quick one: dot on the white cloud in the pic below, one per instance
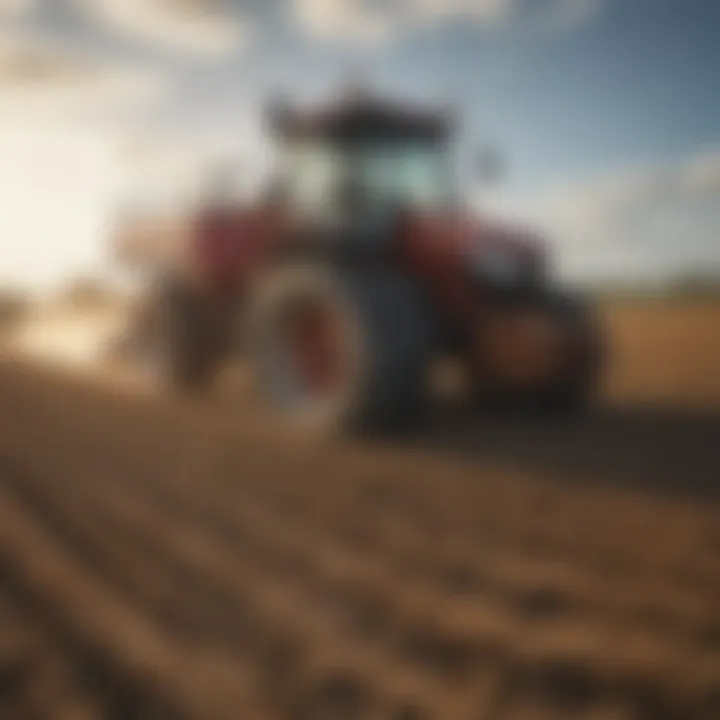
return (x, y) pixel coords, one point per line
(480, 11)
(43, 80)
(56, 186)
(371, 20)
(162, 171)
(365, 20)
(12, 8)
(342, 20)
(61, 115)
(647, 220)
(702, 174)
(198, 27)
(560, 15)
(610, 200)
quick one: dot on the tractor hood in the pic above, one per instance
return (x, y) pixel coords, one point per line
(479, 244)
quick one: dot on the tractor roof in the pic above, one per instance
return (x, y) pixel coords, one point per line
(360, 116)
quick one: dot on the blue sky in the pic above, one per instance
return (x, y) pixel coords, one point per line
(608, 111)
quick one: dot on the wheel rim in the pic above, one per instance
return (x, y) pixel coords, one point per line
(310, 357)
(313, 346)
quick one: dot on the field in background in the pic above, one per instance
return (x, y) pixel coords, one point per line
(662, 349)
(665, 351)
(166, 560)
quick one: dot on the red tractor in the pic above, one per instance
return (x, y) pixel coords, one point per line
(356, 271)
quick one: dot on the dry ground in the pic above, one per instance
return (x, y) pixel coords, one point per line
(159, 560)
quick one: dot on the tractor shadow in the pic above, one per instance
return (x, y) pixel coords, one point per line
(660, 448)
(656, 447)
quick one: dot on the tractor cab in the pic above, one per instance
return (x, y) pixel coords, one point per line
(361, 160)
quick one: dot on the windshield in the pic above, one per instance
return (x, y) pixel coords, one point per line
(315, 173)
(411, 173)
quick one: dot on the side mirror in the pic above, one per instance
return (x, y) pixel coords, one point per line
(489, 166)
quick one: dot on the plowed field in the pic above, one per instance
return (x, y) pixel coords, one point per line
(161, 559)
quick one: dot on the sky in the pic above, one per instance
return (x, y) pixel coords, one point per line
(607, 114)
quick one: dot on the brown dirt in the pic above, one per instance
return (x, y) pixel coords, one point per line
(163, 560)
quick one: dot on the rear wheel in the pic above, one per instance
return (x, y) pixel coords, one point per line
(339, 347)
(177, 348)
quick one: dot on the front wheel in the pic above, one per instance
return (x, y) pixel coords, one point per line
(337, 347)
(546, 355)
(577, 382)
